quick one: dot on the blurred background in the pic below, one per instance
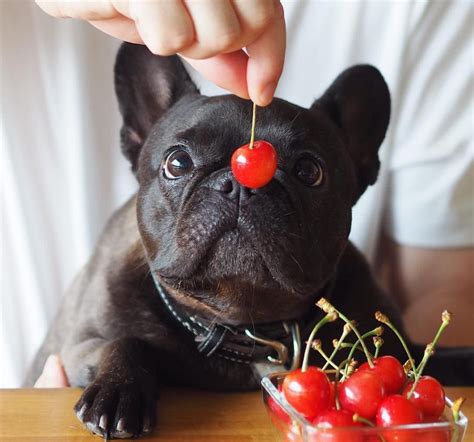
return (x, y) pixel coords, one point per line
(62, 173)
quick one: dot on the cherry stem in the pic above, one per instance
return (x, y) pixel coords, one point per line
(336, 381)
(446, 317)
(379, 316)
(317, 346)
(378, 342)
(362, 420)
(252, 130)
(326, 306)
(345, 331)
(407, 370)
(456, 408)
(375, 332)
(328, 318)
(339, 368)
(357, 347)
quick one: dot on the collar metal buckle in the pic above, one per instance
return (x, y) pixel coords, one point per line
(281, 349)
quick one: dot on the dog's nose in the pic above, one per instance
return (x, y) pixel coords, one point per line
(228, 186)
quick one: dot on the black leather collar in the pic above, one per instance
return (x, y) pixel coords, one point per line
(243, 344)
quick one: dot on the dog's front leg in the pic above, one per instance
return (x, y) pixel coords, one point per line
(120, 400)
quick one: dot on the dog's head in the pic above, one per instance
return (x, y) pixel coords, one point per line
(246, 254)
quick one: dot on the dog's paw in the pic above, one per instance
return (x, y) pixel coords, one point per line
(116, 411)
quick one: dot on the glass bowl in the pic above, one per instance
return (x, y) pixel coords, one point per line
(295, 428)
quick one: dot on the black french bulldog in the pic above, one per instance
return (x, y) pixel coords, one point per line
(194, 271)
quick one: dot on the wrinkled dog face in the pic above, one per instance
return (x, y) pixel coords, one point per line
(203, 230)
(255, 254)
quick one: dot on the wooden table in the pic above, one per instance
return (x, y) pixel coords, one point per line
(194, 416)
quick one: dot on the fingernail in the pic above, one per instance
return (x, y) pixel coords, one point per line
(267, 93)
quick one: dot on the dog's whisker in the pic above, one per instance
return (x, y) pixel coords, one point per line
(295, 235)
(297, 262)
(294, 119)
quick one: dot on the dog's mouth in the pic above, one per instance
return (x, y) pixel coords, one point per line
(261, 244)
(238, 257)
(250, 270)
(229, 256)
(235, 283)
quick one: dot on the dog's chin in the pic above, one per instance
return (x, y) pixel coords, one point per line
(234, 257)
(241, 275)
(230, 258)
(237, 279)
(240, 259)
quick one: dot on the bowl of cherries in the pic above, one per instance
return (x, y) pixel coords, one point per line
(380, 400)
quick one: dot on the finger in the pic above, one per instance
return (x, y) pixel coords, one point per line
(216, 28)
(165, 27)
(254, 15)
(108, 16)
(266, 58)
(53, 375)
(227, 71)
(86, 10)
(119, 27)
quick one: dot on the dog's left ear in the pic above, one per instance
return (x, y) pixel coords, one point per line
(358, 102)
(147, 86)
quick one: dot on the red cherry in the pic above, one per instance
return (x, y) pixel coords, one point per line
(390, 371)
(332, 389)
(442, 435)
(398, 410)
(276, 411)
(334, 419)
(362, 393)
(308, 391)
(254, 167)
(428, 397)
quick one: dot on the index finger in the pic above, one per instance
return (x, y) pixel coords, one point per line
(227, 71)
(266, 59)
(84, 10)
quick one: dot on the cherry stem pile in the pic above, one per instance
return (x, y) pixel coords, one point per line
(350, 326)
(375, 332)
(326, 307)
(337, 344)
(382, 392)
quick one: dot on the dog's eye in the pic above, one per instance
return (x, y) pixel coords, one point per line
(177, 164)
(309, 171)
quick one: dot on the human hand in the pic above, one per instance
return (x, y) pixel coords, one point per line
(209, 34)
(53, 375)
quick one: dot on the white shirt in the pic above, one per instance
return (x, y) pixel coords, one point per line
(63, 174)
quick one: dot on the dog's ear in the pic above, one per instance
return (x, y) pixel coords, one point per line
(358, 102)
(147, 86)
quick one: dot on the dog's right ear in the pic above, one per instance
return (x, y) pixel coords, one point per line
(147, 86)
